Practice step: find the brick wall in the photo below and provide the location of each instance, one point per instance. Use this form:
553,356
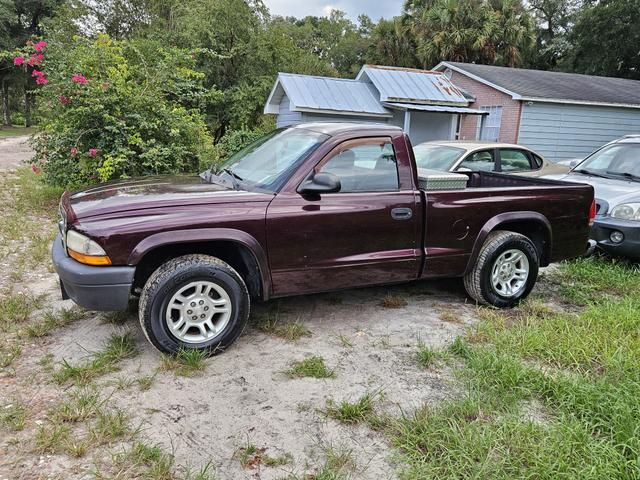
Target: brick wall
487,97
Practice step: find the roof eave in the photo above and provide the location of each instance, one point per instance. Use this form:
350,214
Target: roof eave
579,102
424,102
462,71
341,112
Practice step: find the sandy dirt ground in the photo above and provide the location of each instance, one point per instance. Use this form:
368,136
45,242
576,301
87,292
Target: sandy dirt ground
243,396
14,151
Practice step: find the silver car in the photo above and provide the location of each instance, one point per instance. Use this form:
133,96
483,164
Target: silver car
614,173
462,156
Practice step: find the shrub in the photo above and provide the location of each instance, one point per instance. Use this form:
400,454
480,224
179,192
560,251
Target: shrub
116,110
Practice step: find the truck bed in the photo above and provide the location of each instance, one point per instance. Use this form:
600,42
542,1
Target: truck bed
458,220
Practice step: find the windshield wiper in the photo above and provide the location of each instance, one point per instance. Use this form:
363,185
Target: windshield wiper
626,175
589,172
234,176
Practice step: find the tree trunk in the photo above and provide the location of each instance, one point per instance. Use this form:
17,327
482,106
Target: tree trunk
27,107
6,113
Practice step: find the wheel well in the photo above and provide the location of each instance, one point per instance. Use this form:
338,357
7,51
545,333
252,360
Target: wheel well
235,254
537,232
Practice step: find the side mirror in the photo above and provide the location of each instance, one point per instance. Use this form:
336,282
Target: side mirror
323,182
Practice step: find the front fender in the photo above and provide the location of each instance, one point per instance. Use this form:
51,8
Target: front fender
180,237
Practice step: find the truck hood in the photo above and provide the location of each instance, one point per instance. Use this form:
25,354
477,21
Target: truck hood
153,192
612,191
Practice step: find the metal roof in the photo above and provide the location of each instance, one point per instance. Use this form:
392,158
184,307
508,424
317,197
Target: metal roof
324,94
412,86
557,87
434,108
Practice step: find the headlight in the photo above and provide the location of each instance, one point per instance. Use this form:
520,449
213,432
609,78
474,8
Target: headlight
85,250
627,211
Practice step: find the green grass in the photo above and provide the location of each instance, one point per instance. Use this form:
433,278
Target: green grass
290,331
15,131
186,363
116,349
82,404
352,412
15,308
549,393
313,367
586,280
8,353
52,320
427,356
13,416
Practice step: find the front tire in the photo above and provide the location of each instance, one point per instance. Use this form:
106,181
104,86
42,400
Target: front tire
194,302
505,272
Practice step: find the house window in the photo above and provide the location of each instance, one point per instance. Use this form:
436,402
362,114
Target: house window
490,125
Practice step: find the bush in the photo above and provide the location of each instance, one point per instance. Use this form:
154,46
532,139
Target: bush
117,110
17,118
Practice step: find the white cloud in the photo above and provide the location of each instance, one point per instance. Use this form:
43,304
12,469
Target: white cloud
353,8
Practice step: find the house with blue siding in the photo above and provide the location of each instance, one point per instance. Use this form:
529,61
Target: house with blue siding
425,103
560,115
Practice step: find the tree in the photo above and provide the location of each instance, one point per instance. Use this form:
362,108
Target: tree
554,21
496,31
605,40
391,44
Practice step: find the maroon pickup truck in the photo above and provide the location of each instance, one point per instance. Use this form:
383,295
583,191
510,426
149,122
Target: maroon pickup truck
306,209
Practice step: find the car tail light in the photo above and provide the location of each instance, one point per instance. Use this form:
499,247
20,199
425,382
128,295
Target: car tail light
592,213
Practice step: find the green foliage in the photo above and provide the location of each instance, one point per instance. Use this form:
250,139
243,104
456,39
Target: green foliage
137,109
605,40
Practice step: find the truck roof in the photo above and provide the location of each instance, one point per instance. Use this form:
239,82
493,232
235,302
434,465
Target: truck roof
335,128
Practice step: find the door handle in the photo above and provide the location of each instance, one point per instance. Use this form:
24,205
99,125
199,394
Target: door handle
401,213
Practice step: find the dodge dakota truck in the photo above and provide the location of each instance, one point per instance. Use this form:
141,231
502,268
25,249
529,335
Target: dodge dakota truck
311,208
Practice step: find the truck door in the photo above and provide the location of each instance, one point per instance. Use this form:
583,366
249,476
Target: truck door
367,233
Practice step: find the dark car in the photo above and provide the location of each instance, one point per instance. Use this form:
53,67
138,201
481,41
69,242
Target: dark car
614,172
306,209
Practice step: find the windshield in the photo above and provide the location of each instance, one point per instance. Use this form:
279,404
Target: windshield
436,157
268,162
617,160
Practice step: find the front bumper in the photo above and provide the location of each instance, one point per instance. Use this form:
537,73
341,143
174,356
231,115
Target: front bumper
96,288
629,247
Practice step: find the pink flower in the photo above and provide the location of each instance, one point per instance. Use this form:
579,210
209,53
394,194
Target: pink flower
18,60
35,169
35,59
74,151
37,73
41,80
80,79
39,46
64,100
93,152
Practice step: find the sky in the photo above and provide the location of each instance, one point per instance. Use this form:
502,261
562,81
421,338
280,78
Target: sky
301,8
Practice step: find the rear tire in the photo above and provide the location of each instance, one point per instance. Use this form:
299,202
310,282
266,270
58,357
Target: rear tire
505,272
194,302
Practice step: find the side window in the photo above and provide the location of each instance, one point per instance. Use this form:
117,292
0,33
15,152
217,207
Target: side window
482,161
368,167
512,160
537,161
490,125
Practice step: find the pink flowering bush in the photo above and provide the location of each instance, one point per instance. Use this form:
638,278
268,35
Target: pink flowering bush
106,113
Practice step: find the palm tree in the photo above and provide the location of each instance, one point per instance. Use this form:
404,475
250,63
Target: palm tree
391,44
480,31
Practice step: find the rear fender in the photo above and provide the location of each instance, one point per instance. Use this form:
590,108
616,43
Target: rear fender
508,220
